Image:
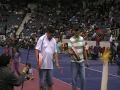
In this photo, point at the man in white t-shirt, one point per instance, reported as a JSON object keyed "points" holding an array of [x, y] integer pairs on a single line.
{"points": [[76, 50], [46, 51]]}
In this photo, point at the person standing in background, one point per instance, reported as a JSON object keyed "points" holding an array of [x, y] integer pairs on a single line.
{"points": [[113, 49], [6, 50], [16, 60]]}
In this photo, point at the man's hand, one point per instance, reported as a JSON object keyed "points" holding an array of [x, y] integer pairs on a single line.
{"points": [[57, 65], [59, 68], [86, 63]]}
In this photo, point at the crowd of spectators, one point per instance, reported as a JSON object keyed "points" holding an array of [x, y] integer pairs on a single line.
{"points": [[11, 17], [91, 18], [96, 22], [64, 17]]}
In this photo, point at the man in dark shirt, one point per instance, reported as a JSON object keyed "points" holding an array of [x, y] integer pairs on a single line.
{"points": [[7, 78]]}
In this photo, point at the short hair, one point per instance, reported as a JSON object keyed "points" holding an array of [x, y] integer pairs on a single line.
{"points": [[50, 29], [76, 30], [4, 60]]}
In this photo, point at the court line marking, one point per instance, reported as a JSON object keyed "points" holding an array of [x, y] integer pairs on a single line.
{"points": [[101, 72], [88, 69], [65, 83], [62, 81], [53, 77]]}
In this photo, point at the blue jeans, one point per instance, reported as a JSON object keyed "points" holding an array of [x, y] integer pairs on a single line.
{"points": [[46, 78], [78, 69]]}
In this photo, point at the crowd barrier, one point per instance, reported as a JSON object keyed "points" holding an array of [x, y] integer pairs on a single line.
{"points": [[91, 43]]}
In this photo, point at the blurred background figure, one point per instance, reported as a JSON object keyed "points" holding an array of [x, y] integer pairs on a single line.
{"points": [[117, 59], [16, 60], [7, 78], [113, 49]]}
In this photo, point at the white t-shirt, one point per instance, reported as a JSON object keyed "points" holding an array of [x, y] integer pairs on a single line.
{"points": [[111, 38]]}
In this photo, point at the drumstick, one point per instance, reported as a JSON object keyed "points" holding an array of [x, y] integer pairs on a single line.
{"points": [[75, 54]]}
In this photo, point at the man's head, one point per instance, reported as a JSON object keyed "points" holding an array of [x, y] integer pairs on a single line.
{"points": [[4, 60], [76, 32], [50, 32]]}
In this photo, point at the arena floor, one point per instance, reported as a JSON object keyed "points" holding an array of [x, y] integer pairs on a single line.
{"points": [[62, 78]]}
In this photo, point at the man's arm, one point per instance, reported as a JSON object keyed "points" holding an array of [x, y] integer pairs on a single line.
{"points": [[38, 58], [37, 54], [85, 56], [55, 55], [84, 53], [56, 59]]}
